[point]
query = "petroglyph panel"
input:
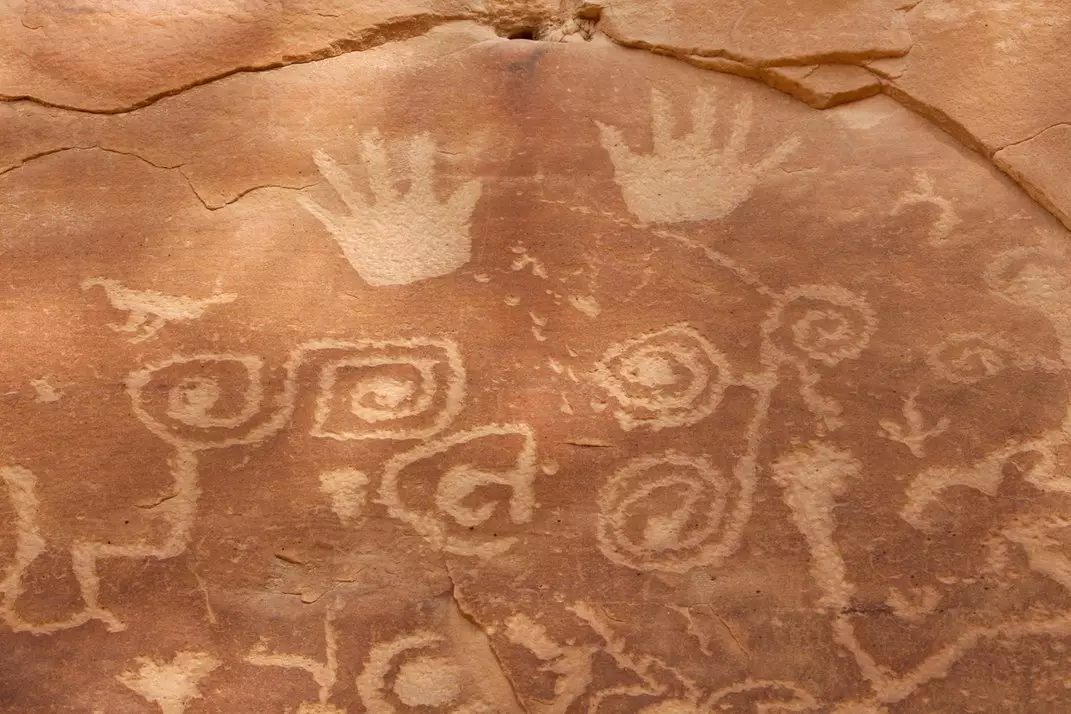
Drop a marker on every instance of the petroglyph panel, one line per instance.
(435, 371)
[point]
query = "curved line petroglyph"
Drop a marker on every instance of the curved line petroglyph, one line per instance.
(379, 400)
(925, 193)
(395, 239)
(177, 512)
(816, 327)
(913, 431)
(571, 663)
(672, 541)
(426, 681)
(456, 484)
(325, 673)
(688, 178)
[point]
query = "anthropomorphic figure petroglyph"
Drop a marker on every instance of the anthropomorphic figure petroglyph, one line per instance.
(149, 311)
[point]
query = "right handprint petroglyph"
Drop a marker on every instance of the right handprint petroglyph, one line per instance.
(689, 178)
(398, 239)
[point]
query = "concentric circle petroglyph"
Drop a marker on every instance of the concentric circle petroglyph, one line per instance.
(669, 512)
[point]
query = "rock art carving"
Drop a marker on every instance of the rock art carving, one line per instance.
(668, 378)
(925, 193)
(813, 479)
(691, 513)
(968, 358)
(689, 178)
(403, 389)
(346, 489)
(149, 311)
(176, 513)
(204, 402)
(325, 673)
(572, 664)
(450, 518)
(915, 605)
(814, 327)
(170, 685)
(452, 454)
(397, 239)
(912, 432)
(393, 676)
(656, 678)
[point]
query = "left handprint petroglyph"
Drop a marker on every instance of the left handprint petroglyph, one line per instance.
(398, 239)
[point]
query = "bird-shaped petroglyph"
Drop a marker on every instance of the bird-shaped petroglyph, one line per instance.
(150, 310)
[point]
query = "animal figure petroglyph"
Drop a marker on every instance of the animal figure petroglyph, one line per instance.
(398, 239)
(149, 310)
(912, 432)
(688, 178)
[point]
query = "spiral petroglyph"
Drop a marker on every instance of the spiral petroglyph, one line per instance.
(199, 401)
(669, 512)
(402, 389)
(823, 324)
(667, 378)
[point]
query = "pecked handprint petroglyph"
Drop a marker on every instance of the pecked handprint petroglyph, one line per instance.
(149, 310)
(397, 239)
(689, 178)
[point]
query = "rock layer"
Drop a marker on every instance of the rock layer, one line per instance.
(374, 361)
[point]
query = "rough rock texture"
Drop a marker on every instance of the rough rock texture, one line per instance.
(364, 359)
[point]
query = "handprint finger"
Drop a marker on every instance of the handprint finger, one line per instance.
(421, 165)
(703, 120)
(339, 181)
(380, 179)
(329, 221)
(778, 156)
(661, 122)
(611, 139)
(734, 147)
(464, 199)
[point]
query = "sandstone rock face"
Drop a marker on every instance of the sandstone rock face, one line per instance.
(365, 359)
